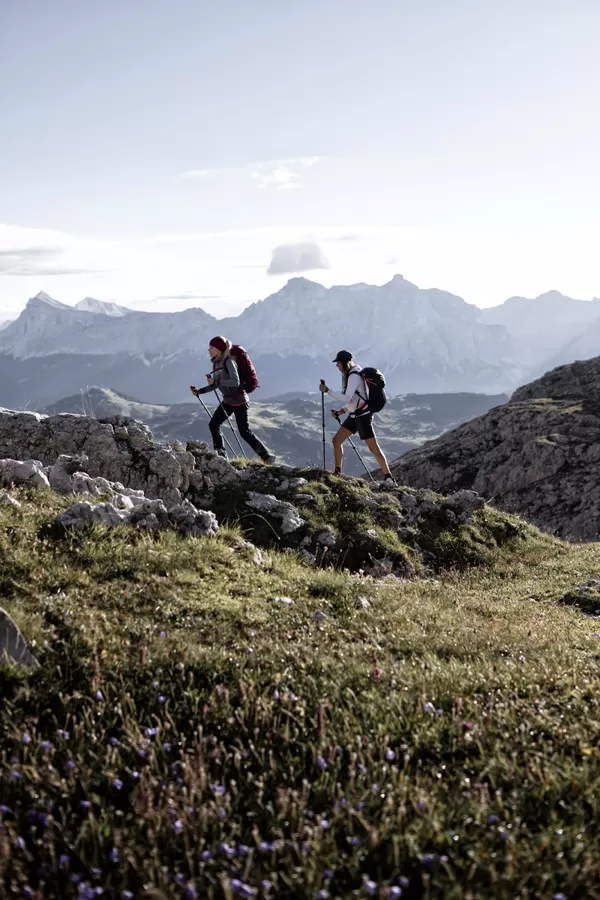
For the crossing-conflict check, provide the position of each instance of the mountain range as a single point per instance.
(425, 341)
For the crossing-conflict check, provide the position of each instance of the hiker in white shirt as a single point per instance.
(354, 400)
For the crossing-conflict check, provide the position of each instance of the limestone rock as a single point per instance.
(287, 514)
(537, 455)
(7, 500)
(13, 646)
(29, 472)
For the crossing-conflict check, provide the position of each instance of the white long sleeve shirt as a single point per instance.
(355, 395)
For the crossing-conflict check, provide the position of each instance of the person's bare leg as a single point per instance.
(378, 454)
(338, 450)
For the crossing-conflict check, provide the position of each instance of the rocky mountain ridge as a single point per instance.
(537, 455)
(390, 532)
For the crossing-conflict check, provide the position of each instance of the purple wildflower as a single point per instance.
(217, 789)
(25, 738)
(205, 855)
(99, 696)
(293, 697)
(492, 820)
(85, 804)
(15, 775)
(324, 824)
(243, 850)
(558, 897)
(161, 699)
(151, 732)
(359, 806)
(235, 885)
(321, 764)
(247, 891)
(20, 843)
(117, 784)
(222, 812)
(323, 894)
(355, 841)
(177, 826)
(114, 741)
(190, 892)
(328, 873)
(390, 755)
(114, 855)
(70, 764)
(126, 895)
(65, 735)
(420, 805)
(167, 747)
(155, 684)
(64, 860)
(27, 893)
(163, 634)
(276, 696)
(370, 887)
(504, 835)
(429, 707)
(135, 774)
(395, 892)
(264, 846)
(266, 885)
(374, 788)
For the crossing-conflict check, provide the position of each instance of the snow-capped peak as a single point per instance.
(42, 298)
(102, 307)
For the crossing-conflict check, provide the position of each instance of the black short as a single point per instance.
(361, 425)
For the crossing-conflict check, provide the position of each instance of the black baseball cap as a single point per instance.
(343, 356)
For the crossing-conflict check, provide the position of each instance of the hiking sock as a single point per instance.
(338, 470)
(389, 477)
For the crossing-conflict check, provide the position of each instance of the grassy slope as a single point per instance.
(448, 735)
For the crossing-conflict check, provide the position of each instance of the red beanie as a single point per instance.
(219, 342)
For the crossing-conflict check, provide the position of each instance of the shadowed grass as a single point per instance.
(187, 734)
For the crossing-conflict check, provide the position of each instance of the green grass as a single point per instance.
(448, 735)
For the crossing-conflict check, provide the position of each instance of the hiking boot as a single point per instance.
(269, 459)
(221, 453)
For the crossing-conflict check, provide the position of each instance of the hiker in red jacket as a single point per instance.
(226, 378)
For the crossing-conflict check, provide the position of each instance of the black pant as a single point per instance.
(241, 417)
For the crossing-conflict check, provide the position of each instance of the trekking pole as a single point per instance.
(207, 411)
(323, 422)
(353, 445)
(233, 431)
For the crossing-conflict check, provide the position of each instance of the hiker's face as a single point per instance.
(213, 352)
(339, 366)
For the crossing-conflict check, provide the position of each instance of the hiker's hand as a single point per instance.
(335, 413)
(194, 389)
(323, 388)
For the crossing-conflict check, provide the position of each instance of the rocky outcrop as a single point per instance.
(118, 449)
(122, 475)
(538, 455)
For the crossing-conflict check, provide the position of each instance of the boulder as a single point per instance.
(13, 646)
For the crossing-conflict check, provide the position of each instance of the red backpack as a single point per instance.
(247, 372)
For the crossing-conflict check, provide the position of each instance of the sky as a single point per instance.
(174, 153)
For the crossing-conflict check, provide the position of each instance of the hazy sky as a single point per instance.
(168, 153)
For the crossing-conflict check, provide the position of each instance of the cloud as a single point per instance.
(278, 174)
(13, 261)
(288, 259)
(283, 174)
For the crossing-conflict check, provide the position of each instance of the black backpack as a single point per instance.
(375, 384)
